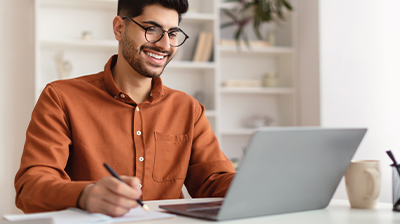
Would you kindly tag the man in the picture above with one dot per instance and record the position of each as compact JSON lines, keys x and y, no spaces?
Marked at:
{"x":156,"y":137}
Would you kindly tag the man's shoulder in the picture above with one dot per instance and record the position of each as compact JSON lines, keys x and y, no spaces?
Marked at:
{"x":173,"y":93}
{"x":94,"y":80}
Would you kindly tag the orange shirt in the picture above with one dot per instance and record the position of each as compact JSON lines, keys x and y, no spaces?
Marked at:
{"x":79,"y":124}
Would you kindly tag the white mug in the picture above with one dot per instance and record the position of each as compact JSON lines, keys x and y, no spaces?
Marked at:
{"x":363,"y":183}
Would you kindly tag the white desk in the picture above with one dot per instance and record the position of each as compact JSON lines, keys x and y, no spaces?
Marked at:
{"x":338,"y":211}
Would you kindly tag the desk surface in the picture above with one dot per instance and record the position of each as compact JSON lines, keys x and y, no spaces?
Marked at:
{"x":338,"y":211}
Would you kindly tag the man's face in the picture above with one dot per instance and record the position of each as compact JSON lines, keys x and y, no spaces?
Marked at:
{"x":149,"y":59}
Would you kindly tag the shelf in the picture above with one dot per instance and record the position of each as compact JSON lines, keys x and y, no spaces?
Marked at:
{"x":257,"y":90}
{"x":79,"y":43}
{"x":105,"y":4}
{"x":191,"y":65}
{"x":198,"y":16}
{"x":240,"y":131}
{"x":113,"y":44}
{"x":228,"y":5}
{"x":244,"y":49}
{"x":113,"y":4}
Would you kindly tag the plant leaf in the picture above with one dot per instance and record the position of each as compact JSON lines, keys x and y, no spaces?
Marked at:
{"x":246,"y":41}
{"x":267,"y":13}
{"x":247,"y":6}
{"x":238,"y":34}
{"x":245,"y":21}
{"x":230,"y":14}
{"x":224,"y":25}
{"x":279,"y":9}
{"x":287,"y":5}
{"x":259,"y":11}
{"x":256,"y":26}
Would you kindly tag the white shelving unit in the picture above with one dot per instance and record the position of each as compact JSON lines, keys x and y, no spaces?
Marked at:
{"x":238,"y":104}
{"x":253,"y":50}
{"x":60,"y":23}
{"x":257,"y":90}
{"x":77,"y":42}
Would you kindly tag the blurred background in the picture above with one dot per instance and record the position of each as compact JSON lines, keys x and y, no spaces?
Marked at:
{"x":336,"y":63}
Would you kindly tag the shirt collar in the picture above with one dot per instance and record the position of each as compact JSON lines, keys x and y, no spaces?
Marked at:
{"x":114,"y":91}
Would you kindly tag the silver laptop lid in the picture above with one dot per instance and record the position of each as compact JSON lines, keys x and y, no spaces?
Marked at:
{"x":289,"y":170}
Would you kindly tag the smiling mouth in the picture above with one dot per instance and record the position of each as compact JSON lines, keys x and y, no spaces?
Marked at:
{"x":156,"y":56}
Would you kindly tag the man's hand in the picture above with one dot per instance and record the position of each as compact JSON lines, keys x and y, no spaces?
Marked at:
{"x":111,"y":196}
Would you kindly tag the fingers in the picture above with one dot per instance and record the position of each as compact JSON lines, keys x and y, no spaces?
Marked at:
{"x":129,"y":189}
{"x":113,"y":197}
{"x":132,"y":182}
{"x":118,"y":194}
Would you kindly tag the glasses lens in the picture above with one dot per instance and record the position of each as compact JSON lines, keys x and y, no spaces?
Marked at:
{"x":176,"y":38}
{"x":155,"y":33}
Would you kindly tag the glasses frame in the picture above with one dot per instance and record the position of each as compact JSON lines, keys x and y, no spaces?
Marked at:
{"x":162,"y":35}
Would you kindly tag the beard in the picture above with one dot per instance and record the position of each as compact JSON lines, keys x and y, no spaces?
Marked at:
{"x":132,"y":55}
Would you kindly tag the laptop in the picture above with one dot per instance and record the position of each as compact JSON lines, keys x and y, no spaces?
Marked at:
{"x":283,"y":170}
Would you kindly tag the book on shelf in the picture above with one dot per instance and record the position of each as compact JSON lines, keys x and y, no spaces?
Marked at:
{"x":204,"y":46}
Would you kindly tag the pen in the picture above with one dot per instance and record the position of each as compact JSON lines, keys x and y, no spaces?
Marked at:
{"x":145,"y":207}
{"x":395,"y":164}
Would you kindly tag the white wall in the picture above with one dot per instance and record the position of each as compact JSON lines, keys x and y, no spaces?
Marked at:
{"x":16,"y":90}
{"x":360,"y":76}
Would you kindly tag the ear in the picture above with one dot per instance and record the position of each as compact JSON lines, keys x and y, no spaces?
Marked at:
{"x":118,"y":27}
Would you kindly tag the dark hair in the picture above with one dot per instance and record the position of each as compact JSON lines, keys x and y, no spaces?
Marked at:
{"x":133,"y":8}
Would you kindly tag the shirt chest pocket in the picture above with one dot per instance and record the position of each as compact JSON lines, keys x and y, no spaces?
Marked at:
{"x":172,"y":155}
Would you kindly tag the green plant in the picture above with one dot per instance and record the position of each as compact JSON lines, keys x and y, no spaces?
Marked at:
{"x":257,"y":11}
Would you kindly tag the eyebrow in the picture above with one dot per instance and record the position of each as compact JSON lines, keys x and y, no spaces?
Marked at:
{"x":157,"y":24}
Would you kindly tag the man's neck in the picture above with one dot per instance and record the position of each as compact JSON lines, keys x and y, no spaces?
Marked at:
{"x":130,"y":82}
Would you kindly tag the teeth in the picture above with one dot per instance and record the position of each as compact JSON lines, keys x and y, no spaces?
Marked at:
{"x":155,"y":56}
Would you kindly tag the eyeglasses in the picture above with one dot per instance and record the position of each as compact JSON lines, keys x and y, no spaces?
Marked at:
{"x":153,"y":34}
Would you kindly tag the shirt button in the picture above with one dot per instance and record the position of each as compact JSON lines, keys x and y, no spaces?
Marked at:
{"x":140,"y":186}
{"x":137,"y":108}
{"x":116,"y":97}
{"x":138,"y":132}
{"x":141,"y":159}
{"x":122,"y":95}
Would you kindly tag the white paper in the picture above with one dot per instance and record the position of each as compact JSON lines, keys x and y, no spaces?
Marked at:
{"x":139,"y":214}
{"x":59,"y":217}
{"x":82,"y":217}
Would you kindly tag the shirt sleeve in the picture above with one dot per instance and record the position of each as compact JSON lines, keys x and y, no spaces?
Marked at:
{"x":41,"y":183}
{"x":210,"y":172}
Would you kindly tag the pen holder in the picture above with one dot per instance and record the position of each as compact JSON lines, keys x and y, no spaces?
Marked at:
{"x":396,"y":187}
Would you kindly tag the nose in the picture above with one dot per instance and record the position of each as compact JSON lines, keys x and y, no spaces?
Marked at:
{"x":164,"y":42}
